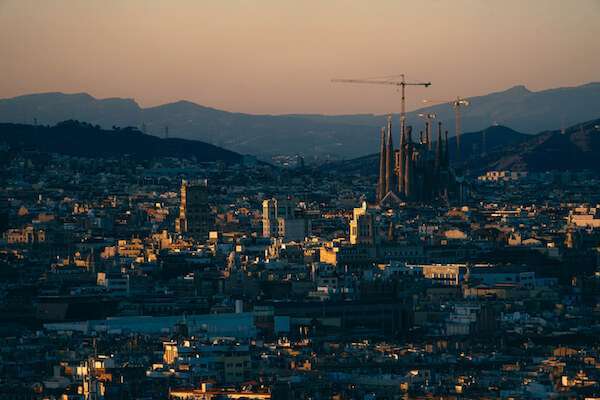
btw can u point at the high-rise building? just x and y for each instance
(362, 226)
(195, 216)
(282, 220)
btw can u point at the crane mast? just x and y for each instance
(457, 104)
(402, 83)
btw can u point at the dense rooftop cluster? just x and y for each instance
(296, 286)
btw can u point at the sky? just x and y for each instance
(278, 56)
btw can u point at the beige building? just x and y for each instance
(361, 226)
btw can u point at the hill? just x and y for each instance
(338, 136)
(85, 140)
(578, 148)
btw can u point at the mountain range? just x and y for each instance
(338, 136)
(82, 139)
(576, 148)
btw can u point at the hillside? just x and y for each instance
(577, 149)
(84, 140)
(339, 136)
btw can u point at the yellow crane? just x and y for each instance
(457, 104)
(389, 80)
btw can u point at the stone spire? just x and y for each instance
(408, 161)
(401, 162)
(446, 153)
(390, 233)
(382, 160)
(408, 173)
(389, 153)
(428, 134)
(438, 149)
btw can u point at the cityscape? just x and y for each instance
(430, 249)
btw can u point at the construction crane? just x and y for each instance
(387, 80)
(457, 104)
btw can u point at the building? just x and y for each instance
(281, 219)
(502, 176)
(344, 254)
(361, 226)
(415, 172)
(222, 360)
(209, 392)
(195, 216)
(26, 235)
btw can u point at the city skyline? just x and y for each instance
(192, 207)
(279, 57)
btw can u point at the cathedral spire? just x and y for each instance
(446, 153)
(438, 148)
(408, 172)
(389, 167)
(401, 162)
(382, 160)
(408, 161)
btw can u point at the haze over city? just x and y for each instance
(279, 56)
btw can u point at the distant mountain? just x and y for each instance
(84, 140)
(339, 136)
(262, 135)
(578, 148)
(473, 145)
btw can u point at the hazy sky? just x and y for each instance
(278, 56)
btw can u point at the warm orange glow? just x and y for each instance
(274, 56)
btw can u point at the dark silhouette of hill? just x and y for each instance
(85, 140)
(341, 136)
(578, 148)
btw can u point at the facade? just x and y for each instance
(26, 235)
(361, 226)
(280, 219)
(220, 360)
(195, 216)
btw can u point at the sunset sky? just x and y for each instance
(278, 56)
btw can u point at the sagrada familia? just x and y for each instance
(416, 172)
